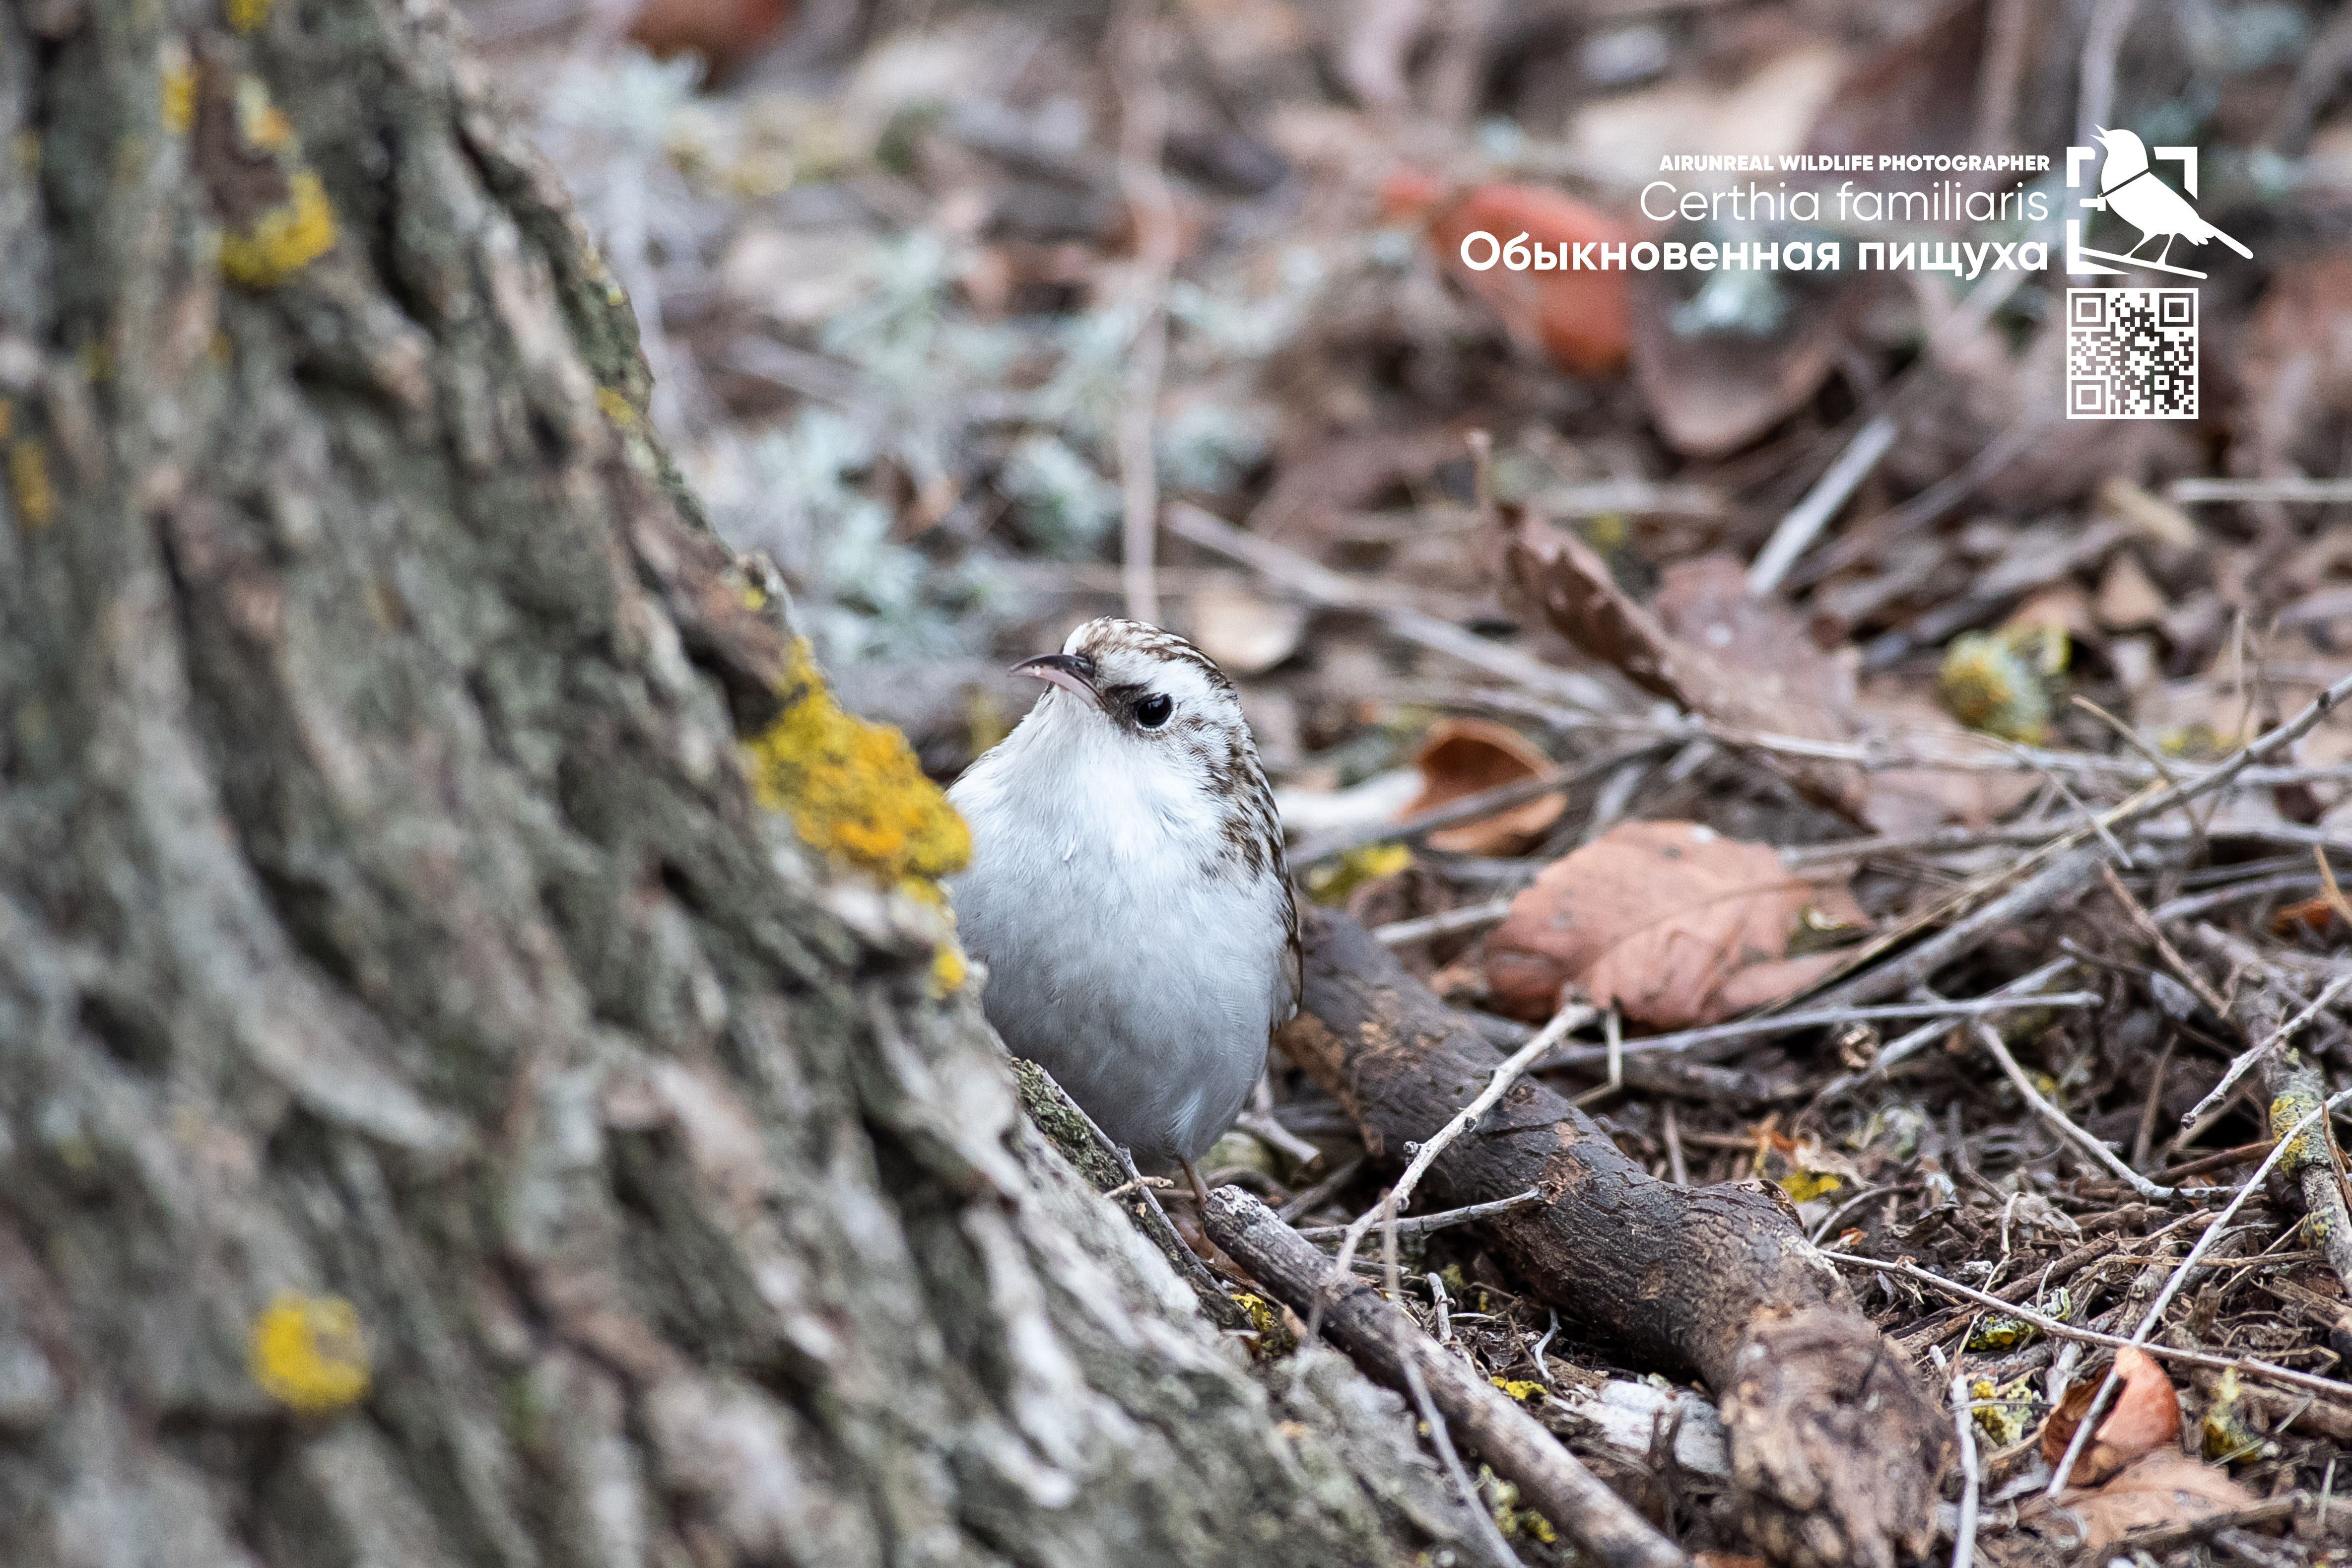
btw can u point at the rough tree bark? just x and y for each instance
(443, 1117)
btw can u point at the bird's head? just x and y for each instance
(1145, 694)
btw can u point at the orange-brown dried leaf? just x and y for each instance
(1670, 921)
(723, 31)
(1462, 756)
(2166, 1488)
(2309, 915)
(1904, 801)
(1573, 587)
(1577, 318)
(2145, 1416)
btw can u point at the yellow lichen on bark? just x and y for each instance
(261, 124)
(28, 475)
(852, 789)
(283, 240)
(307, 1352)
(616, 407)
(178, 91)
(2289, 1110)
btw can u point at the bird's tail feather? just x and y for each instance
(2233, 244)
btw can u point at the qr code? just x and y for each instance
(2131, 353)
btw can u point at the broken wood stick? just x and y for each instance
(1836, 1448)
(1382, 1340)
(2260, 1006)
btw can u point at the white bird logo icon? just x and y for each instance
(2130, 189)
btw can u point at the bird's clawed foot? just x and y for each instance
(1200, 1188)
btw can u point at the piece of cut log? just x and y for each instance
(1836, 1448)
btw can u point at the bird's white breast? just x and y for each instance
(1127, 953)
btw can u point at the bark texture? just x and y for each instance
(1834, 1447)
(443, 1119)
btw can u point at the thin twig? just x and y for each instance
(1952, 841)
(1818, 1017)
(2243, 758)
(2130, 737)
(2049, 1113)
(1490, 1539)
(1421, 1224)
(1451, 922)
(2240, 1064)
(1915, 966)
(2172, 1287)
(1319, 1195)
(1385, 1211)
(2189, 906)
(2308, 1382)
(2193, 492)
(1320, 585)
(1964, 1534)
(2062, 865)
(1552, 1327)
(1930, 503)
(1920, 1040)
(1143, 128)
(2137, 913)
(1820, 503)
(2336, 899)
(1137, 1184)
(1385, 1342)
(1879, 755)
(1262, 1127)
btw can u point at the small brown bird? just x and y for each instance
(1128, 890)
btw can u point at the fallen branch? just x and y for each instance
(1424, 1154)
(2296, 1088)
(2264, 1044)
(1835, 1449)
(1391, 1349)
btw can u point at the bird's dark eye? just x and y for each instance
(1153, 710)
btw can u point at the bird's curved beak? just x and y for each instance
(1071, 671)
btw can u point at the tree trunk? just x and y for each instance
(443, 1118)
